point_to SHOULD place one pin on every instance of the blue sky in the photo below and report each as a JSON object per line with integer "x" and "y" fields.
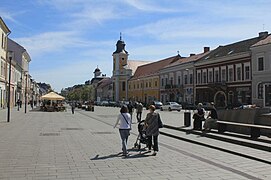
{"x": 67, "y": 39}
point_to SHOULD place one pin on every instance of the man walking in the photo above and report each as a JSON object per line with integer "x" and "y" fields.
{"x": 73, "y": 107}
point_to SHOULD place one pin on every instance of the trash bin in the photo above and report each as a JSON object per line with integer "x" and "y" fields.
{"x": 187, "y": 119}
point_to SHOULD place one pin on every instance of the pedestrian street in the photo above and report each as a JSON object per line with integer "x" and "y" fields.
{"x": 84, "y": 145}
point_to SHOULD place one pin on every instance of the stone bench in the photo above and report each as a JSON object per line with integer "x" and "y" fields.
{"x": 255, "y": 130}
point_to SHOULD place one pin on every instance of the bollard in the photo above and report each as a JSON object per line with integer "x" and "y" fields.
{"x": 92, "y": 108}
{"x": 187, "y": 119}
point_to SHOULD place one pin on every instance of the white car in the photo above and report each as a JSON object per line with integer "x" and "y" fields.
{"x": 171, "y": 106}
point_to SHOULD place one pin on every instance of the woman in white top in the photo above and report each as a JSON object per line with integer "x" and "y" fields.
{"x": 124, "y": 121}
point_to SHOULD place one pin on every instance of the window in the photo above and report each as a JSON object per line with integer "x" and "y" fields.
{"x": 137, "y": 86}
{"x": 171, "y": 81}
{"x": 231, "y": 74}
{"x": 3, "y": 40}
{"x": 247, "y": 73}
{"x": 162, "y": 82}
{"x": 191, "y": 78}
{"x": 2, "y": 68}
{"x": 216, "y": 76}
{"x": 260, "y": 64}
{"x": 123, "y": 86}
{"x": 210, "y": 78}
{"x": 155, "y": 83}
{"x": 223, "y": 75}
{"x": 204, "y": 79}
{"x": 199, "y": 78}
{"x": 260, "y": 91}
{"x": 146, "y": 85}
{"x": 238, "y": 74}
{"x": 179, "y": 80}
{"x": 134, "y": 86}
{"x": 185, "y": 79}
{"x": 149, "y": 84}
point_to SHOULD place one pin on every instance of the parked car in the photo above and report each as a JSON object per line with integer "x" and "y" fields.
{"x": 104, "y": 103}
{"x": 157, "y": 104}
{"x": 170, "y": 106}
{"x": 188, "y": 106}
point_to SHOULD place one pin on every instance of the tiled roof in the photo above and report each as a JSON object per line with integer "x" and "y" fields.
{"x": 263, "y": 42}
{"x": 132, "y": 64}
{"x": 231, "y": 49}
{"x": 104, "y": 82}
{"x": 154, "y": 67}
{"x": 188, "y": 59}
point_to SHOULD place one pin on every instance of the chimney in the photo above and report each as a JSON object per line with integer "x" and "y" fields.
{"x": 206, "y": 49}
{"x": 192, "y": 54}
{"x": 263, "y": 34}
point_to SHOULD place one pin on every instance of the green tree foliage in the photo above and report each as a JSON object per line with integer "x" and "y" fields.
{"x": 80, "y": 93}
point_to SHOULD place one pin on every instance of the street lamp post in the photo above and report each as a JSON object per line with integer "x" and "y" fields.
{"x": 25, "y": 102}
{"x": 10, "y": 55}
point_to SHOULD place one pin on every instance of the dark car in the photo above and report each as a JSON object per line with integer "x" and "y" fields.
{"x": 157, "y": 104}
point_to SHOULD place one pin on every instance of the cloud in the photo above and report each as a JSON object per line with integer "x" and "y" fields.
{"x": 148, "y": 6}
{"x": 50, "y": 42}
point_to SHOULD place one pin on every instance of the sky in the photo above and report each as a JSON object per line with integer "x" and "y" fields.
{"x": 68, "y": 39}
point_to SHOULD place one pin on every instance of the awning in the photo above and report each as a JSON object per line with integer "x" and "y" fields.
{"x": 52, "y": 96}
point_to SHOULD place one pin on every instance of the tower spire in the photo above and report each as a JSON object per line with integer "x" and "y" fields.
{"x": 120, "y": 35}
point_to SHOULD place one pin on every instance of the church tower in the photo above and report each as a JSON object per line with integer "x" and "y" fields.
{"x": 120, "y": 61}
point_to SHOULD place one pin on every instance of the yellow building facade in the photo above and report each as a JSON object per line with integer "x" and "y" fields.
{"x": 144, "y": 89}
{"x": 144, "y": 86}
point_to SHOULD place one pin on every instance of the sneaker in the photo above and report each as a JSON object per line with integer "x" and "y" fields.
{"x": 154, "y": 153}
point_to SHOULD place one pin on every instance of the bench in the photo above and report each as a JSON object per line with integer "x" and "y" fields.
{"x": 255, "y": 130}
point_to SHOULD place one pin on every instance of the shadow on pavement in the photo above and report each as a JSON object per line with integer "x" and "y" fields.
{"x": 131, "y": 156}
{"x": 98, "y": 157}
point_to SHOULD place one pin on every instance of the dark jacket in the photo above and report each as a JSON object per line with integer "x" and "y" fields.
{"x": 151, "y": 122}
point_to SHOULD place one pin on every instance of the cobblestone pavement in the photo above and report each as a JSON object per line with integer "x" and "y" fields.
{"x": 59, "y": 145}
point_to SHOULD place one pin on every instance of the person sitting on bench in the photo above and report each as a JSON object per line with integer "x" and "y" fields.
{"x": 199, "y": 117}
{"x": 211, "y": 118}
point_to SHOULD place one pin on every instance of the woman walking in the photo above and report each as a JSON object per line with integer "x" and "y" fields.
{"x": 152, "y": 129}
{"x": 124, "y": 121}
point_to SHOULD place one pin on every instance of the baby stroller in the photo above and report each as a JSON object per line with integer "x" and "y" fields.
{"x": 141, "y": 138}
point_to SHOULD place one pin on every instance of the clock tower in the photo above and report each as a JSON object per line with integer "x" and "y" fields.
{"x": 120, "y": 78}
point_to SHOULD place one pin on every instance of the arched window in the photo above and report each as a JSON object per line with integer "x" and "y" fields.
{"x": 260, "y": 91}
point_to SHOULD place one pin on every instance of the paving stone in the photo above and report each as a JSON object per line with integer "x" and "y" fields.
{"x": 85, "y": 146}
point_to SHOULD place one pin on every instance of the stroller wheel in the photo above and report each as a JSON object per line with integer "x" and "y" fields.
{"x": 135, "y": 145}
{"x": 139, "y": 147}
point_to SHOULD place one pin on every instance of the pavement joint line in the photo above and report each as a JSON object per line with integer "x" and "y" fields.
{"x": 196, "y": 142}
{"x": 211, "y": 162}
{"x": 242, "y": 143}
{"x": 217, "y": 148}
{"x": 200, "y": 158}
